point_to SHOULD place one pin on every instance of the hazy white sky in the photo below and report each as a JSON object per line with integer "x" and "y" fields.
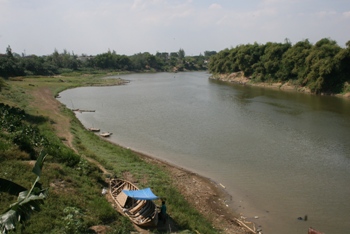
{"x": 132, "y": 26}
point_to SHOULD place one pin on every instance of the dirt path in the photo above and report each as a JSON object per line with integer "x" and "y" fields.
{"x": 44, "y": 100}
{"x": 208, "y": 198}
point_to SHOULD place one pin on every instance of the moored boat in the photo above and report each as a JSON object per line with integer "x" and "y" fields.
{"x": 94, "y": 129}
{"x": 134, "y": 203}
{"x": 105, "y": 134}
{"x": 313, "y": 231}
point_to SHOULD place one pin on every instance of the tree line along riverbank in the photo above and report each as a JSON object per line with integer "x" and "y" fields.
{"x": 13, "y": 64}
{"x": 322, "y": 68}
{"x": 34, "y": 122}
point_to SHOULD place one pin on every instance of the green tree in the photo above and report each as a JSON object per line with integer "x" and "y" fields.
{"x": 294, "y": 61}
{"x": 9, "y": 65}
{"x": 322, "y": 73}
{"x": 181, "y": 54}
{"x": 247, "y": 56}
{"x": 34, "y": 65}
{"x": 271, "y": 59}
{"x": 219, "y": 64}
{"x": 2, "y": 83}
{"x": 208, "y": 54}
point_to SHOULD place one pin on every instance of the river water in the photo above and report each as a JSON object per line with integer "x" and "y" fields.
{"x": 281, "y": 155}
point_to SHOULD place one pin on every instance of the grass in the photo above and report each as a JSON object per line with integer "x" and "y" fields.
{"x": 74, "y": 203}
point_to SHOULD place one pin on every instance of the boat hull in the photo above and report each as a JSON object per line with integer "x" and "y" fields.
{"x": 143, "y": 213}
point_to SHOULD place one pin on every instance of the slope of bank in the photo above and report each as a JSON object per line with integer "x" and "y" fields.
{"x": 239, "y": 78}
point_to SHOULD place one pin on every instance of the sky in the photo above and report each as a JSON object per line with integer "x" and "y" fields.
{"x": 129, "y": 27}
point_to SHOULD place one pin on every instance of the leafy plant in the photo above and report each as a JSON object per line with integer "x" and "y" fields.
{"x": 73, "y": 220}
{"x": 28, "y": 201}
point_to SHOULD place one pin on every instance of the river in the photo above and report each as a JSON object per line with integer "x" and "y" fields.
{"x": 280, "y": 154}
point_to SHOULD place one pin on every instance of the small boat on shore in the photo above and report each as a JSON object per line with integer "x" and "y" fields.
{"x": 134, "y": 203}
{"x": 81, "y": 110}
{"x": 105, "y": 134}
{"x": 94, "y": 129}
{"x": 313, "y": 231}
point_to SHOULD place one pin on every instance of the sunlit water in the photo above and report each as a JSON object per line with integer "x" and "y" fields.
{"x": 281, "y": 155}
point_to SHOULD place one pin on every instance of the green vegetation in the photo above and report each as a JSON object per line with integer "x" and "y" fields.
{"x": 27, "y": 201}
{"x": 74, "y": 202}
{"x": 12, "y": 64}
{"x": 323, "y": 67}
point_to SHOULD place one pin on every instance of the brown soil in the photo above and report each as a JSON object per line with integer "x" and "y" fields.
{"x": 45, "y": 101}
{"x": 208, "y": 197}
{"x": 239, "y": 78}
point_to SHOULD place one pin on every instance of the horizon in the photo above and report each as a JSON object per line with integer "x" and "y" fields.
{"x": 89, "y": 27}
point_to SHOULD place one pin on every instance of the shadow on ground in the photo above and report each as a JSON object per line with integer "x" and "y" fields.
{"x": 167, "y": 226}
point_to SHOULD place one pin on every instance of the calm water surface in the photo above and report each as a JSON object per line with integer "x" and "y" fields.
{"x": 280, "y": 155}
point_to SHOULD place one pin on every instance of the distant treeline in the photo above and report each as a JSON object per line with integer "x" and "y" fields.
{"x": 323, "y": 67}
{"x": 12, "y": 64}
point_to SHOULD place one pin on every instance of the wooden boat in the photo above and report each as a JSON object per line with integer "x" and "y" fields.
{"x": 105, "y": 134}
{"x": 313, "y": 231}
{"x": 81, "y": 110}
{"x": 94, "y": 129}
{"x": 136, "y": 204}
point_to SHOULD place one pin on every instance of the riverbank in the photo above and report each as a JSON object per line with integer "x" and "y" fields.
{"x": 239, "y": 78}
{"x": 205, "y": 195}
{"x": 210, "y": 198}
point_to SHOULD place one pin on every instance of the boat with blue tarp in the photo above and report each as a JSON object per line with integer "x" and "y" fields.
{"x": 137, "y": 204}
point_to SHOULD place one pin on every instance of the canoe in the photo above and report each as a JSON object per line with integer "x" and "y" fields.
{"x": 313, "y": 231}
{"x": 105, "y": 134}
{"x": 134, "y": 203}
{"x": 94, "y": 129}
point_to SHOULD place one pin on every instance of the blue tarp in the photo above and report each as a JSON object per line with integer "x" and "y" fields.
{"x": 143, "y": 194}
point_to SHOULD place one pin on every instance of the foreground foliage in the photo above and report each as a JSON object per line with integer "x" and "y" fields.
{"x": 74, "y": 203}
{"x": 27, "y": 202}
{"x": 323, "y": 67}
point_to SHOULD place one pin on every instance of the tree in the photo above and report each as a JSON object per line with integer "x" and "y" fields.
{"x": 218, "y": 62}
{"x": 181, "y": 54}
{"x": 343, "y": 61}
{"x": 293, "y": 61}
{"x": 9, "y": 65}
{"x": 2, "y": 83}
{"x": 246, "y": 56}
{"x": 322, "y": 73}
{"x": 9, "y": 52}
{"x": 271, "y": 59}
{"x": 208, "y": 54}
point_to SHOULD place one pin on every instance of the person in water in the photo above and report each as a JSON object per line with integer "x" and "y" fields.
{"x": 163, "y": 215}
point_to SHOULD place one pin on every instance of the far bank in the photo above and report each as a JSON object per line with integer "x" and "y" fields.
{"x": 239, "y": 78}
